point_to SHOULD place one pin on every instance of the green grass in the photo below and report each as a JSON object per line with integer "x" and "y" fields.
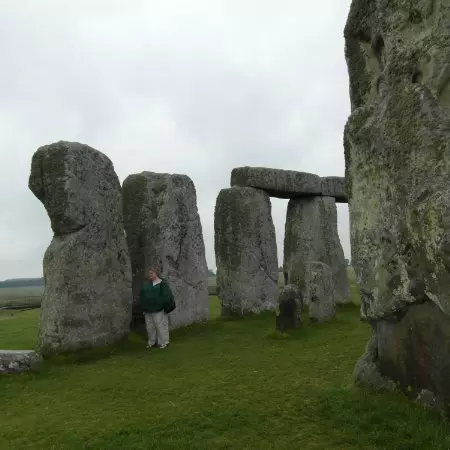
{"x": 231, "y": 384}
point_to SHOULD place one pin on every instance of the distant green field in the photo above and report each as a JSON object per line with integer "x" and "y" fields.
{"x": 30, "y": 296}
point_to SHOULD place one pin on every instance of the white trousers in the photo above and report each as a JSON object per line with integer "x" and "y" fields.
{"x": 157, "y": 325}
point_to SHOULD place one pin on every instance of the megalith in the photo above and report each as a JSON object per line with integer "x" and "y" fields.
{"x": 311, "y": 234}
{"x": 163, "y": 228}
{"x": 290, "y": 306}
{"x": 335, "y": 187}
{"x": 319, "y": 279}
{"x": 289, "y": 184}
{"x": 277, "y": 182}
{"x": 87, "y": 299}
{"x": 246, "y": 251}
{"x": 398, "y": 166}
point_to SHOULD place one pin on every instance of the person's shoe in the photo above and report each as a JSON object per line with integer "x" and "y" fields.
{"x": 162, "y": 346}
{"x": 149, "y": 347}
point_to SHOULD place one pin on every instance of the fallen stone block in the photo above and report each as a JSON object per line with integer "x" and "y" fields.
{"x": 16, "y": 361}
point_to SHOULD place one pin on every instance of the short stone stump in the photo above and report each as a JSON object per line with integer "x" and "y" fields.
{"x": 290, "y": 306}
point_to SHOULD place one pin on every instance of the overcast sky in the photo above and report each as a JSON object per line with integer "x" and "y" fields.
{"x": 180, "y": 86}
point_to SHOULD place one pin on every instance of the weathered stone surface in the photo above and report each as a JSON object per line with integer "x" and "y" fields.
{"x": 319, "y": 279}
{"x": 87, "y": 299}
{"x": 335, "y": 187}
{"x": 367, "y": 372}
{"x": 290, "y": 306}
{"x": 163, "y": 228}
{"x": 246, "y": 251}
{"x": 277, "y": 182}
{"x": 397, "y": 170}
{"x": 16, "y": 361}
{"x": 311, "y": 235}
{"x": 414, "y": 351}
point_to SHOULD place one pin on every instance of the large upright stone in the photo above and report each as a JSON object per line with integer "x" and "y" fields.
{"x": 322, "y": 306}
{"x": 277, "y": 182}
{"x": 397, "y": 160}
{"x": 311, "y": 234}
{"x": 87, "y": 299}
{"x": 163, "y": 228}
{"x": 246, "y": 251}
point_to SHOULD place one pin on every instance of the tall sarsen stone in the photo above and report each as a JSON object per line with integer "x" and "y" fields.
{"x": 397, "y": 151}
{"x": 246, "y": 251}
{"x": 87, "y": 299}
{"x": 311, "y": 235}
{"x": 163, "y": 228}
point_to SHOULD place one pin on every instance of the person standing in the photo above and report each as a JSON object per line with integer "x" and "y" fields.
{"x": 155, "y": 296}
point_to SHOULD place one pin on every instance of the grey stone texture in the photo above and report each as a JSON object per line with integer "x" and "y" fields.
{"x": 311, "y": 234}
{"x": 319, "y": 279}
{"x": 163, "y": 228}
{"x": 397, "y": 172}
{"x": 17, "y": 361}
{"x": 367, "y": 372}
{"x": 87, "y": 298}
{"x": 290, "y": 307}
{"x": 289, "y": 183}
{"x": 335, "y": 187}
{"x": 277, "y": 182}
{"x": 246, "y": 251}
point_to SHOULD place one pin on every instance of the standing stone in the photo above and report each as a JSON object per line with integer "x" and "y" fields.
{"x": 322, "y": 306}
{"x": 290, "y": 306}
{"x": 398, "y": 169}
{"x": 87, "y": 298}
{"x": 246, "y": 252}
{"x": 311, "y": 235}
{"x": 163, "y": 228}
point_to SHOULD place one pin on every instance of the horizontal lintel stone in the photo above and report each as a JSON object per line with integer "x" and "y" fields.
{"x": 289, "y": 183}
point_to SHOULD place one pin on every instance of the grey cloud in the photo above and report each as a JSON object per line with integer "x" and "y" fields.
{"x": 193, "y": 87}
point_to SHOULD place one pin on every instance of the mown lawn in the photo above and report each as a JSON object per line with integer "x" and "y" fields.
{"x": 231, "y": 384}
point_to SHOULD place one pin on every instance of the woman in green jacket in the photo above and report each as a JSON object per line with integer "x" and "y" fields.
{"x": 155, "y": 295}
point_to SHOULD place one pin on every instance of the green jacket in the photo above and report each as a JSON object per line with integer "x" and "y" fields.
{"x": 154, "y": 298}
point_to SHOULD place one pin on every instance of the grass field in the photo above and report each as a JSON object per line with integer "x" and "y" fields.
{"x": 231, "y": 384}
{"x": 21, "y": 296}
